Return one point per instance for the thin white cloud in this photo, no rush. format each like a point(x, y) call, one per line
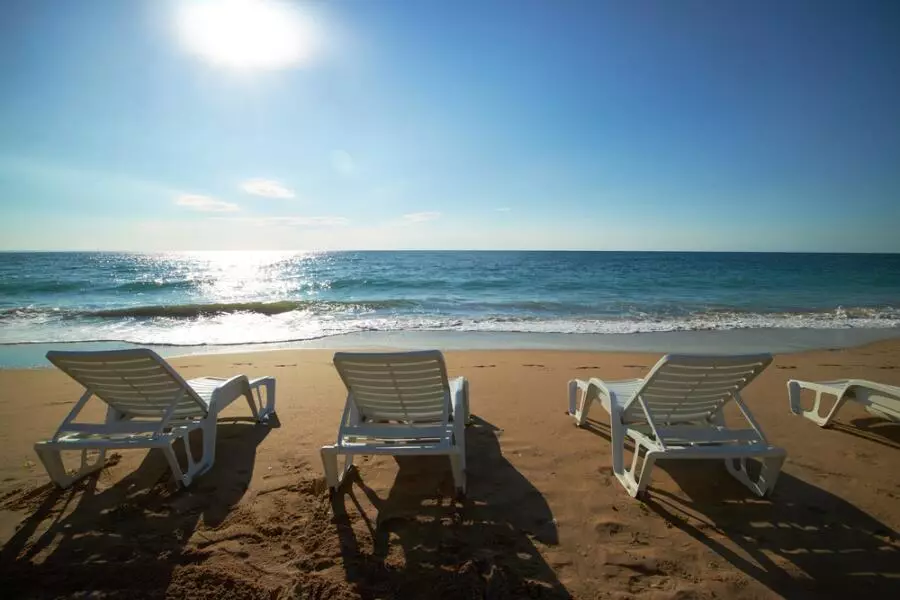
point(320, 221)
point(342, 162)
point(421, 217)
point(267, 189)
point(503, 209)
point(205, 203)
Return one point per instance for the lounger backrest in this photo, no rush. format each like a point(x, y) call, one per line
point(683, 388)
point(410, 387)
point(135, 382)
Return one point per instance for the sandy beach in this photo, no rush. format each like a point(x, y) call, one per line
point(543, 517)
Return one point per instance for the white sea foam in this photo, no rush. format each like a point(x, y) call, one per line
point(251, 328)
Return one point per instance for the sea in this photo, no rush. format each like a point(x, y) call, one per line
point(186, 302)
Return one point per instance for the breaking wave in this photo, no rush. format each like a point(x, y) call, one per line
point(270, 322)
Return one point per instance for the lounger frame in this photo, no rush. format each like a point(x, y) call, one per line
point(677, 412)
point(399, 403)
point(878, 399)
point(149, 405)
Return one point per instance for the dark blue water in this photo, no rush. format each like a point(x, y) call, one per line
point(248, 297)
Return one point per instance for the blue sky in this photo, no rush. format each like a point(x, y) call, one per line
point(689, 125)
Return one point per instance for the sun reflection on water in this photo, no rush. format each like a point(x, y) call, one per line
point(239, 276)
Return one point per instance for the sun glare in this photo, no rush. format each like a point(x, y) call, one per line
point(246, 34)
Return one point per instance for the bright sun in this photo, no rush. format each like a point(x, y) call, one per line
point(246, 34)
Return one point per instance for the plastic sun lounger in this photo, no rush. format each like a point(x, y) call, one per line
point(400, 404)
point(149, 406)
point(878, 399)
point(676, 411)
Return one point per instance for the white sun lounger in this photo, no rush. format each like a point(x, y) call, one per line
point(400, 404)
point(879, 399)
point(677, 412)
point(149, 406)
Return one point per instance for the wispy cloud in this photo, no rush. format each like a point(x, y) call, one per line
point(205, 203)
point(421, 217)
point(503, 209)
point(268, 189)
point(342, 162)
point(320, 221)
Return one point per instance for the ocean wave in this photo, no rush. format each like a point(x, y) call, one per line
point(281, 326)
point(158, 285)
point(190, 311)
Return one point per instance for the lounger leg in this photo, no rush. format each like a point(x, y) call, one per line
point(644, 479)
point(768, 475)
point(581, 412)
point(823, 422)
point(51, 458)
point(771, 469)
point(635, 486)
point(794, 390)
point(180, 477)
point(618, 459)
point(262, 412)
point(737, 468)
point(333, 478)
point(573, 397)
point(457, 465)
point(466, 413)
point(208, 431)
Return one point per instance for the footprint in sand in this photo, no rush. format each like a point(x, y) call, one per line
point(587, 367)
point(785, 367)
point(293, 365)
point(483, 366)
point(531, 365)
point(635, 366)
point(608, 527)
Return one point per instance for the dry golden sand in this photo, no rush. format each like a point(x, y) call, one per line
point(544, 517)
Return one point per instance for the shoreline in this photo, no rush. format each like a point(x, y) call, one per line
point(734, 341)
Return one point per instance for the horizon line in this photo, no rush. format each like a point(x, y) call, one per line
point(114, 251)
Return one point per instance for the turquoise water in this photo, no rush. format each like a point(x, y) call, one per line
point(223, 298)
